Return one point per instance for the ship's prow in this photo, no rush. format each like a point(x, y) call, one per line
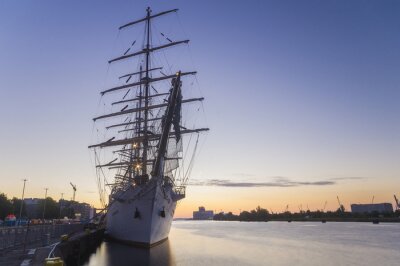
point(142, 215)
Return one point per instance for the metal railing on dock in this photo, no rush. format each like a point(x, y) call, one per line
point(11, 237)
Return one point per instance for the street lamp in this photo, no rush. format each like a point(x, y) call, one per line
point(44, 205)
point(22, 202)
point(60, 203)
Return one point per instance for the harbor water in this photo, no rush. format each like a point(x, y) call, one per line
point(262, 243)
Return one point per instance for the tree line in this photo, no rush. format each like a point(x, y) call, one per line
point(260, 214)
point(53, 210)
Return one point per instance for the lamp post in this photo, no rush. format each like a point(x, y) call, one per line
point(44, 205)
point(61, 202)
point(22, 202)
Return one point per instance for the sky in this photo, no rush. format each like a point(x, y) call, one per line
point(302, 98)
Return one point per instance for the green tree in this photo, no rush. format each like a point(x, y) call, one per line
point(261, 214)
point(52, 210)
point(245, 216)
point(16, 205)
point(5, 206)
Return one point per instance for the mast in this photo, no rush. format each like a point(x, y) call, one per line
point(173, 102)
point(139, 120)
point(146, 97)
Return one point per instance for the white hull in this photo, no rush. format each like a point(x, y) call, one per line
point(141, 215)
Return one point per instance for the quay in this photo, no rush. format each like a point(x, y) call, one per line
point(17, 241)
point(33, 245)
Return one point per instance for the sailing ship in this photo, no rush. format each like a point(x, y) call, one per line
point(148, 145)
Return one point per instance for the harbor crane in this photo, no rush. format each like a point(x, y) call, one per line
point(341, 207)
point(74, 188)
point(300, 208)
point(397, 202)
point(287, 208)
point(326, 202)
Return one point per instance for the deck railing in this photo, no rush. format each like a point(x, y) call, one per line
point(179, 192)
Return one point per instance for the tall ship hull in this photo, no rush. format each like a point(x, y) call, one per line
point(147, 141)
point(142, 216)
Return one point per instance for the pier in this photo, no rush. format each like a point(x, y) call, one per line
point(23, 236)
point(18, 244)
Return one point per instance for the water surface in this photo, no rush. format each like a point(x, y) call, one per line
point(271, 243)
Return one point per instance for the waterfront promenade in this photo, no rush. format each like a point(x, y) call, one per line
point(17, 243)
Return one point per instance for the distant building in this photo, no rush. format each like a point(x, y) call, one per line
point(31, 206)
point(202, 214)
point(83, 211)
point(370, 208)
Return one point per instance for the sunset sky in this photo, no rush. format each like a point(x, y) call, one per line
point(302, 98)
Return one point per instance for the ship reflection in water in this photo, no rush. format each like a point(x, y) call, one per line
point(112, 253)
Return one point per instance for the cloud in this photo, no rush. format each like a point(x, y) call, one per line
point(276, 182)
point(349, 178)
point(243, 174)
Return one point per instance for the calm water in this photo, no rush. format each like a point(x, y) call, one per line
point(272, 243)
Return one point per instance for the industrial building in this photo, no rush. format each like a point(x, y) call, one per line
point(83, 211)
point(202, 214)
point(31, 206)
point(370, 208)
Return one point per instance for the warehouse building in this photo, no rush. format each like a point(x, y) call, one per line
point(202, 214)
point(370, 208)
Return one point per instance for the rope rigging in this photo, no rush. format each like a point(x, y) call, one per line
point(175, 167)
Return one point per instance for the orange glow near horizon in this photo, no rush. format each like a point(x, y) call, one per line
point(236, 199)
point(275, 199)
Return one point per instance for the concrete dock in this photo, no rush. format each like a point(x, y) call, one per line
point(20, 244)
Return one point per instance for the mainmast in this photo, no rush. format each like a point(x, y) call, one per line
point(146, 97)
point(138, 125)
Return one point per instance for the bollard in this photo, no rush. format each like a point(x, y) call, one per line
point(54, 262)
point(64, 238)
